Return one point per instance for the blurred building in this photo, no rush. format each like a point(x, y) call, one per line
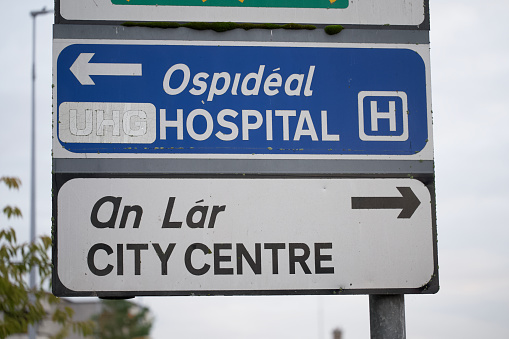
point(83, 311)
point(337, 334)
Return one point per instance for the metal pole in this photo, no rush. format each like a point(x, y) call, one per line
point(32, 329)
point(387, 316)
point(320, 316)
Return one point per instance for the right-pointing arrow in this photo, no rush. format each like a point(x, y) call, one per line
point(408, 202)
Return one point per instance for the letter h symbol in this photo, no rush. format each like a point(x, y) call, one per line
point(391, 115)
point(375, 115)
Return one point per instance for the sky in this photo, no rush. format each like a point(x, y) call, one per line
point(469, 67)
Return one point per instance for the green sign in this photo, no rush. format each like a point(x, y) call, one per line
point(240, 3)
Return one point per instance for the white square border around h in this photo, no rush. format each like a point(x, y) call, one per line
point(363, 136)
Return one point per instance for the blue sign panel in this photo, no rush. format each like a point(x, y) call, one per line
point(182, 99)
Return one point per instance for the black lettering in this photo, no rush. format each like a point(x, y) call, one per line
point(91, 263)
point(189, 264)
point(95, 210)
point(201, 222)
point(164, 256)
point(120, 259)
point(215, 212)
point(256, 265)
point(128, 209)
point(218, 259)
point(137, 248)
point(169, 209)
point(301, 259)
point(322, 257)
point(275, 258)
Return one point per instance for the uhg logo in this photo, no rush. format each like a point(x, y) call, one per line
point(107, 122)
point(383, 116)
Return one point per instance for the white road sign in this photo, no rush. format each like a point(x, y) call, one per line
point(359, 12)
point(141, 236)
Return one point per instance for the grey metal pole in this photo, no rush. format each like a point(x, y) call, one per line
point(387, 316)
point(32, 330)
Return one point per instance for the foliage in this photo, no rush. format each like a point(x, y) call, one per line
point(218, 26)
point(122, 319)
point(333, 29)
point(21, 306)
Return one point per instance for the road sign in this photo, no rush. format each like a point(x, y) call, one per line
point(220, 99)
point(141, 236)
point(361, 12)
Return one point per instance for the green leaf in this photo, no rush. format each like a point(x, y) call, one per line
point(11, 182)
point(17, 309)
point(10, 211)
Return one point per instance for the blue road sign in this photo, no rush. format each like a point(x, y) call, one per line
point(276, 100)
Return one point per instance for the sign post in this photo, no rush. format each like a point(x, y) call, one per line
point(387, 316)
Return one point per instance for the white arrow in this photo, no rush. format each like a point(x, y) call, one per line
point(83, 69)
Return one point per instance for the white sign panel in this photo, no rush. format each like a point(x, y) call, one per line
point(242, 236)
point(359, 12)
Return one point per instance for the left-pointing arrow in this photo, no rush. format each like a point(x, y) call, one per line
point(82, 69)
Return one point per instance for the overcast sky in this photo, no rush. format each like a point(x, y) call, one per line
point(470, 72)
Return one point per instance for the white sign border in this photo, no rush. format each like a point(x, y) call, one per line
point(423, 50)
point(359, 12)
point(366, 287)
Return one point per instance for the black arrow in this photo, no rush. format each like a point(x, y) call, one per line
point(408, 202)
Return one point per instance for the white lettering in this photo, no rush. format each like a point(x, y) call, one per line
point(246, 126)
point(286, 121)
point(235, 85)
point(300, 131)
point(268, 119)
point(227, 124)
point(391, 115)
point(200, 83)
point(249, 84)
point(73, 122)
point(257, 77)
point(325, 135)
point(307, 89)
point(107, 122)
point(185, 81)
point(114, 122)
point(179, 124)
point(213, 86)
point(288, 84)
point(201, 124)
point(190, 124)
point(140, 124)
point(273, 80)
